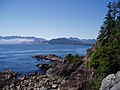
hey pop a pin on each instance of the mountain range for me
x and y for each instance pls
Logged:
(34, 40)
(72, 41)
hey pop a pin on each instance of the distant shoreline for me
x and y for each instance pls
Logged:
(34, 40)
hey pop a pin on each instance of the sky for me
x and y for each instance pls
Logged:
(52, 18)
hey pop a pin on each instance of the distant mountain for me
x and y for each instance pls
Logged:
(76, 39)
(34, 40)
(65, 41)
(20, 40)
(89, 41)
(72, 41)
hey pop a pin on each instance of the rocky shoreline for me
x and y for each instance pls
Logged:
(49, 81)
(51, 57)
(60, 75)
(7, 77)
(35, 82)
(32, 81)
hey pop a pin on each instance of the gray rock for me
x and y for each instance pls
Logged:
(111, 82)
(118, 73)
(7, 77)
(44, 67)
(43, 88)
(54, 86)
(116, 87)
(51, 57)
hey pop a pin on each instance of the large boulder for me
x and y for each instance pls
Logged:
(111, 82)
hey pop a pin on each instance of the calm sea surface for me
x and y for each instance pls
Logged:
(18, 57)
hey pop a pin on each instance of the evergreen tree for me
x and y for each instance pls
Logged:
(108, 25)
(106, 58)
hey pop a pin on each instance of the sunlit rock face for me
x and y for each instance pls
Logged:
(111, 82)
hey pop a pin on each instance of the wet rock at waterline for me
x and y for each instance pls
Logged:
(51, 57)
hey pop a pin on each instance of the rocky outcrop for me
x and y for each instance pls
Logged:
(7, 77)
(62, 68)
(78, 80)
(76, 76)
(111, 82)
(63, 76)
(35, 82)
(44, 67)
(51, 57)
(60, 75)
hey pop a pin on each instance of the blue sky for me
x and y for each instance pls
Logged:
(52, 18)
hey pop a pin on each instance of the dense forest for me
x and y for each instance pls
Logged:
(106, 57)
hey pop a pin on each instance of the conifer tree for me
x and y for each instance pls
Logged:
(106, 58)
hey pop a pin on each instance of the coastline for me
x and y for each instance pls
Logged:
(12, 57)
(56, 77)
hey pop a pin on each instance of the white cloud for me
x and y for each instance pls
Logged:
(15, 41)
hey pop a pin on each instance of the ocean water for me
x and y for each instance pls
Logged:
(18, 57)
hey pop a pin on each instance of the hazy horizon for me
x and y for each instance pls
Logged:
(45, 38)
(52, 19)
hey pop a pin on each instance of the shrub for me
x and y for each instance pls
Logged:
(74, 58)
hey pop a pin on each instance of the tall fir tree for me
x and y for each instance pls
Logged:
(106, 57)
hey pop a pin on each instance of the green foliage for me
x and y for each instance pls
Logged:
(93, 61)
(95, 84)
(106, 57)
(69, 57)
(74, 58)
(77, 58)
(89, 52)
